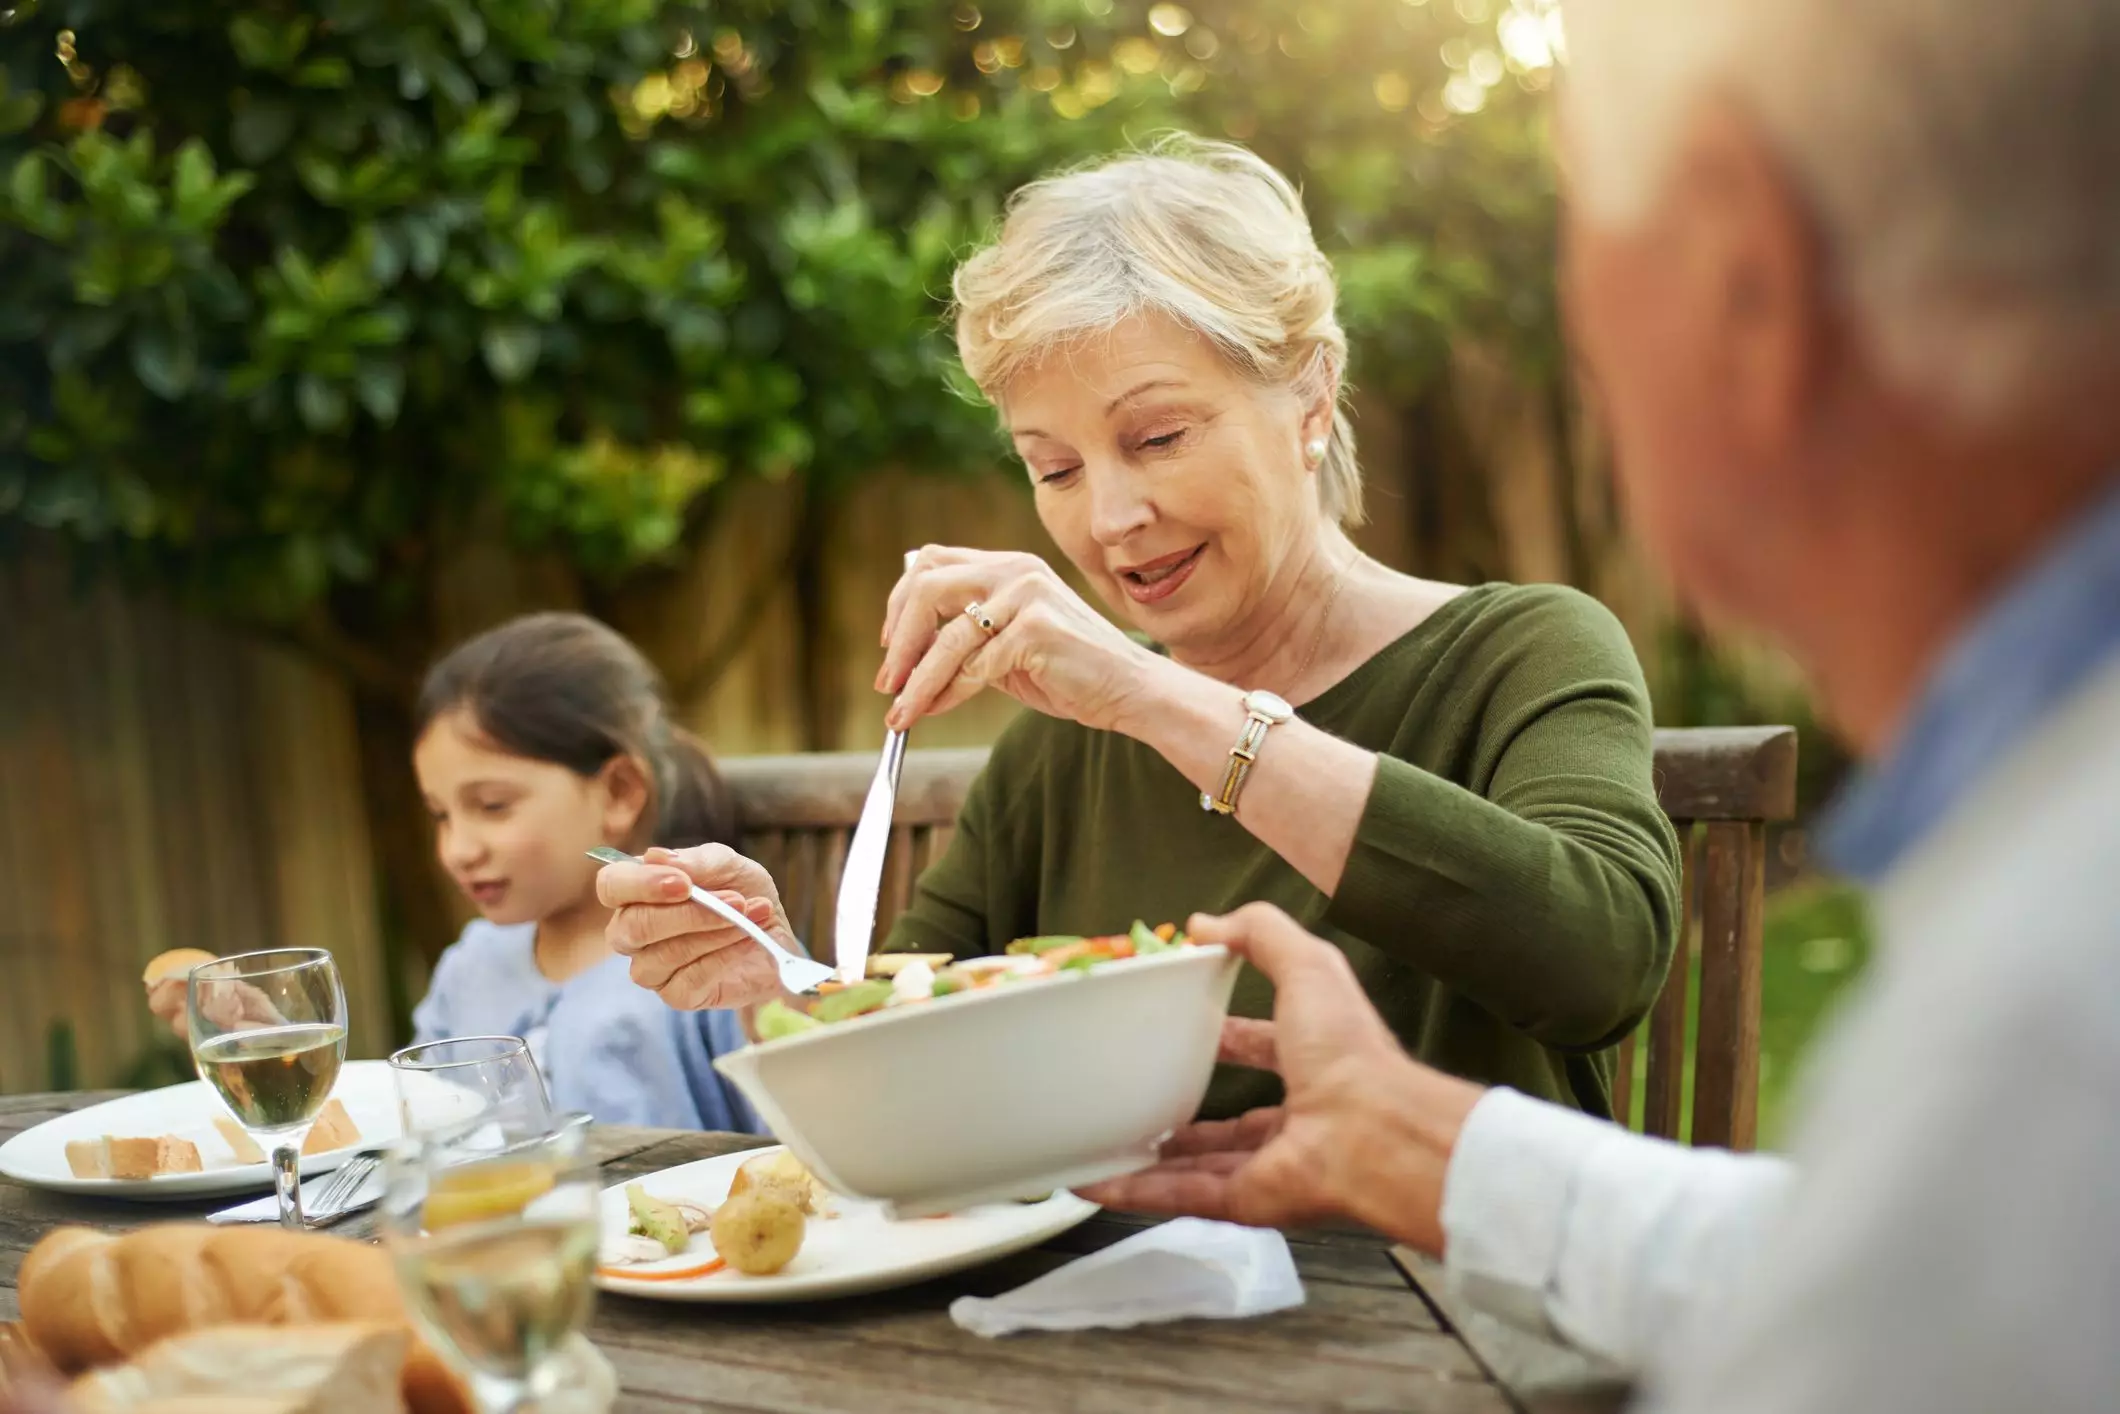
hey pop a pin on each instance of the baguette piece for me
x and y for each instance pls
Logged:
(349, 1367)
(244, 1147)
(110, 1156)
(334, 1129)
(93, 1298)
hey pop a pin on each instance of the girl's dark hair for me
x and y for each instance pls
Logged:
(566, 689)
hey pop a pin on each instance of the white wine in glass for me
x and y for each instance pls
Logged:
(268, 1034)
(494, 1234)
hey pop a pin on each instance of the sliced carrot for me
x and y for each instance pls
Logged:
(1166, 931)
(706, 1269)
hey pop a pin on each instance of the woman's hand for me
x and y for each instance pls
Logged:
(683, 951)
(1048, 649)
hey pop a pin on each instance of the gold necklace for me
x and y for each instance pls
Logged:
(1324, 621)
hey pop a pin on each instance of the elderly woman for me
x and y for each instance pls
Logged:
(1451, 783)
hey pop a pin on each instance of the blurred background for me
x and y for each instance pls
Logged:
(331, 333)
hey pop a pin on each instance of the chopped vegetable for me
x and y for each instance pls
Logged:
(916, 978)
(652, 1217)
(777, 1019)
(1038, 947)
(851, 1002)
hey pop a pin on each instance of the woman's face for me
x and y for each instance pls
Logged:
(1177, 486)
(512, 832)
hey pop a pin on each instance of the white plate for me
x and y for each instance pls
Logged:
(859, 1250)
(38, 1156)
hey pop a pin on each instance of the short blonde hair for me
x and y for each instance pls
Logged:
(1203, 233)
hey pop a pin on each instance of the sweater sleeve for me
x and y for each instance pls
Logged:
(1547, 890)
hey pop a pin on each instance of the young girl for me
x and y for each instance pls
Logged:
(535, 742)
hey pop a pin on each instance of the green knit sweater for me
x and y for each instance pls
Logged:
(1512, 897)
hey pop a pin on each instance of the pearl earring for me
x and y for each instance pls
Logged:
(1315, 449)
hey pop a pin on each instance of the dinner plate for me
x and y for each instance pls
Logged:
(857, 1250)
(38, 1156)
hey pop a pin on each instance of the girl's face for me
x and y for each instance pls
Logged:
(515, 833)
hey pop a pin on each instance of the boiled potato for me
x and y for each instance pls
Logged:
(758, 1232)
(784, 1173)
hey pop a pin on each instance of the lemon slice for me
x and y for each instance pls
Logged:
(482, 1192)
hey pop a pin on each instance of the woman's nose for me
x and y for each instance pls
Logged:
(1119, 504)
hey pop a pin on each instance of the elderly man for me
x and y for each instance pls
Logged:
(1848, 279)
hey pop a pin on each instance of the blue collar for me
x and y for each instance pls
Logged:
(2022, 656)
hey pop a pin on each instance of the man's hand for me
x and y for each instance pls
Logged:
(1364, 1131)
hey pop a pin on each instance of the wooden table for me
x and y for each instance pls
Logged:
(1370, 1337)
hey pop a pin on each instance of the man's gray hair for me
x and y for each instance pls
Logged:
(1962, 160)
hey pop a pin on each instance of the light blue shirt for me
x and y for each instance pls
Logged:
(2023, 655)
(606, 1047)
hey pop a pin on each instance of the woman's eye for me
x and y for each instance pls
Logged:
(1164, 441)
(492, 809)
(1056, 476)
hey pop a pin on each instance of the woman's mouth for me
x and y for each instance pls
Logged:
(487, 893)
(1160, 578)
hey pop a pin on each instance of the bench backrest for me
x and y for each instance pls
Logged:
(1720, 786)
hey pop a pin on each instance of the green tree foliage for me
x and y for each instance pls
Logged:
(286, 291)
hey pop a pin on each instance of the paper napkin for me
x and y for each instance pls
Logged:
(1183, 1269)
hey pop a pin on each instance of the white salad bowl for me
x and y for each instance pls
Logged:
(1005, 1092)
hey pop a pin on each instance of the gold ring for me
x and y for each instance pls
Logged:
(977, 613)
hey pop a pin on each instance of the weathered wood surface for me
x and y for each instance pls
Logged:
(1366, 1340)
(1540, 1376)
(1726, 773)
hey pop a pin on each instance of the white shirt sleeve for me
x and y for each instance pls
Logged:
(1575, 1228)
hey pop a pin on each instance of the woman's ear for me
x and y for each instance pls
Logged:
(1321, 400)
(623, 784)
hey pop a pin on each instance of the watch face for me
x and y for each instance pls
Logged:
(1269, 706)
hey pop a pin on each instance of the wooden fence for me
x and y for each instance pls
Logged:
(162, 784)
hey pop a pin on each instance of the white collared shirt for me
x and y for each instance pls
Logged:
(1947, 1239)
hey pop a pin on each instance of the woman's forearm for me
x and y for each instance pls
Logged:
(1303, 798)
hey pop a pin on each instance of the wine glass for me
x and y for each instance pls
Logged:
(268, 1034)
(469, 1080)
(494, 1235)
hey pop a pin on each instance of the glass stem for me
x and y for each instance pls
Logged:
(287, 1181)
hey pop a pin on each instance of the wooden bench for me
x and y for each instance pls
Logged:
(1720, 786)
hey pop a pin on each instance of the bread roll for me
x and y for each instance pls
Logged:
(340, 1368)
(175, 963)
(91, 1298)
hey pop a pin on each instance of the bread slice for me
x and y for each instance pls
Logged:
(145, 1158)
(177, 962)
(89, 1158)
(334, 1129)
(132, 1158)
(342, 1367)
(244, 1147)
